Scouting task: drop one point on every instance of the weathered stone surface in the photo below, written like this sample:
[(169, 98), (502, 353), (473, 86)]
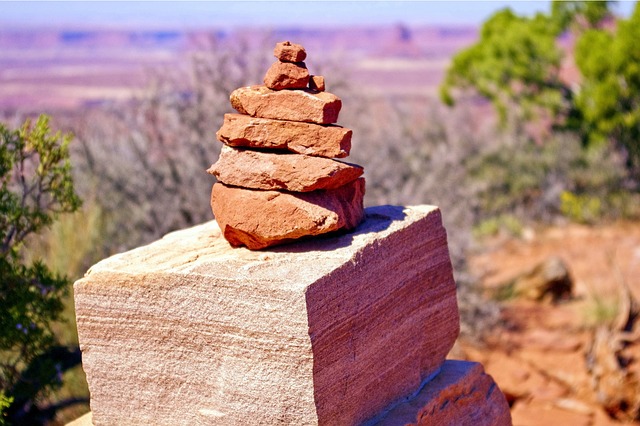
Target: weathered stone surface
[(189, 331), (316, 82), (289, 52), (461, 394), (295, 105), (259, 219), (287, 75), (329, 141), (291, 172)]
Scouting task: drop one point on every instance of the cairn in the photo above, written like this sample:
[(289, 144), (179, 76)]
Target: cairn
[(278, 179)]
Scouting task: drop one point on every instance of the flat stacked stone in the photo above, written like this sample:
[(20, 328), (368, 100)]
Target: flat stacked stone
[(278, 179)]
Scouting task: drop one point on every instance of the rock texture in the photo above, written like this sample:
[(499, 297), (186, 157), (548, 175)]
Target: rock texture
[(294, 105), (287, 75), (316, 82), (291, 172), (339, 329), (327, 331), (289, 52), (317, 195), (329, 141), (460, 395), (259, 219)]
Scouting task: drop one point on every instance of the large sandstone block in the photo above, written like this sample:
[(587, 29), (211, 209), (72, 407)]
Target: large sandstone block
[(304, 138), (291, 172), (188, 331), (462, 394), (295, 105), (258, 219)]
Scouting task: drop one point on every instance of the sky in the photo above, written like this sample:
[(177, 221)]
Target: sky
[(194, 14)]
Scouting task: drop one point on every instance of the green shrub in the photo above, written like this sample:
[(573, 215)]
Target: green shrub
[(5, 402), (580, 208), (35, 188), (538, 182), (495, 225)]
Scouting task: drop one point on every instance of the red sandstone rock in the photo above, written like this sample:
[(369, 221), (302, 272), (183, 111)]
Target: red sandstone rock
[(289, 52), (291, 172), (259, 219), (287, 75), (461, 394), (294, 105), (316, 82), (329, 141), (327, 331)]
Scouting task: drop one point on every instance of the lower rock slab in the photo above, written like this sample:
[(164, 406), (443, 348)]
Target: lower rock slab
[(330, 331), (461, 394)]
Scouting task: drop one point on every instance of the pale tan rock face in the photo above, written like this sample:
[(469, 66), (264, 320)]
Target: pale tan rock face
[(329, 141), (289, 52), (291, 172), (258, 219), (189, 331), (287, 75), (461, 394), (295, 105)]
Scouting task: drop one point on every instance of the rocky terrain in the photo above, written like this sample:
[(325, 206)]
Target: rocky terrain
[(575, 361)]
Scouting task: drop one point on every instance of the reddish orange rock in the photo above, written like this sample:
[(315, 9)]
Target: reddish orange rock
[(289, 52), (291, 172), (287, 75), (316, 82), (329, 141), (259, 219), (461, 394), (294, 105)]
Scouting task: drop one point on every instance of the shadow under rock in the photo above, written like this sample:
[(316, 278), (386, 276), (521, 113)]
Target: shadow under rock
[(376, 219)]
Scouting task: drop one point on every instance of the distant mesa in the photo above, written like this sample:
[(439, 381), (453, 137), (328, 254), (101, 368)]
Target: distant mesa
[(401, 44)]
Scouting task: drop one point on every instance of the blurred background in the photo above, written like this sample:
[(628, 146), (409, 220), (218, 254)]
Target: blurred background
[(521, 120)]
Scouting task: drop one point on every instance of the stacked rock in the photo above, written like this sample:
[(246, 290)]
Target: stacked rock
[(278, 179)]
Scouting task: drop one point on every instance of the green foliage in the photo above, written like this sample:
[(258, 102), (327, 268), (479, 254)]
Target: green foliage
[(65, 250), (35, 187), (516, 66), (580, 208), (494, 225), (35, 182), (600, 310), (585, 14), (5, 402), (536, 182), (515, 63), (610, 94)]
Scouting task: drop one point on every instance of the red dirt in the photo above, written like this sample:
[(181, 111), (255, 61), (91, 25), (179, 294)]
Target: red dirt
[(573, 362)]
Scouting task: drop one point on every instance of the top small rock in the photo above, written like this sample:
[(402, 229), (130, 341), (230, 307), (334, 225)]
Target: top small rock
[(286, 51)]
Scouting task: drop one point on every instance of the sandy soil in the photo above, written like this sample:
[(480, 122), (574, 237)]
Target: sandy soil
[(578, 361)]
